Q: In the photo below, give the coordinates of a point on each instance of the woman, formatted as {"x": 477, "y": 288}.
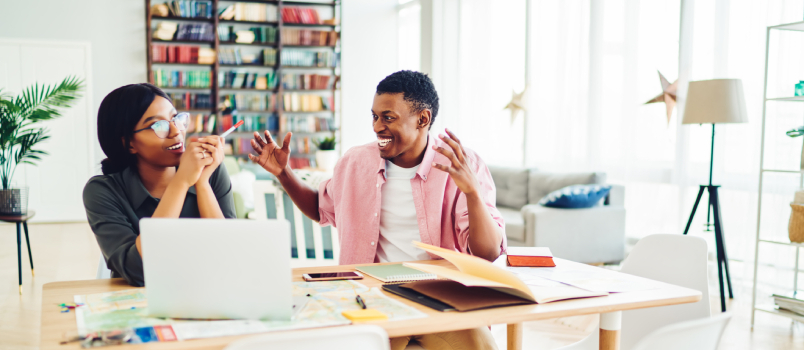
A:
{"x": 150, "y": 171}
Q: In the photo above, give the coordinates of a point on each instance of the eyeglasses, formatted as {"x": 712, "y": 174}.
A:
{"x": 162, "y": 127}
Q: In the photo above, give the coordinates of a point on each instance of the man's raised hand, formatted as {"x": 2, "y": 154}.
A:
{"x": 269, "y": 156}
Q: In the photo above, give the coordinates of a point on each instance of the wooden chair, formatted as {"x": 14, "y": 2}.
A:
{"x": 22, "y": 222}
{"x": 700, "y": 334}
{"x": 311, "y": 244}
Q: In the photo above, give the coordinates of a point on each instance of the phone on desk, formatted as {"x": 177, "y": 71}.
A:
{"x": 332, "y": 276}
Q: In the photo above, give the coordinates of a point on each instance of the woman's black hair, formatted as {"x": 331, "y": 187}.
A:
{"x": 118, "y": 115}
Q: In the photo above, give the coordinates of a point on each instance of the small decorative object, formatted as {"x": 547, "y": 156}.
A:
{"x": 668, "y": 95}
{"x": 18, "y": 136}
{"x": 576, "y": 196}
{"x": 517, "y": 103}
{"x": 795, "y": 229}
{"x": 796, "y": 133}
{"x": 800, "y": 88}
{"x": 326, "y": 156}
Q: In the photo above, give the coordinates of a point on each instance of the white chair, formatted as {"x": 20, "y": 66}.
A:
{"x": 103, "y": 270}
{"x": 311, "y": 244}
{"x": 338, "y": 338}
{"x": 676, "y": 259}
{"x": 701, "y": 334}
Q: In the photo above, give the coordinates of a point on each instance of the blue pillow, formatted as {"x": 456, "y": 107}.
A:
{"x": 576, "y": 196}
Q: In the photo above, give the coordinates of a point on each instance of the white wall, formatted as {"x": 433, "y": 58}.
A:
{"x": 114, "y": 28}
{"x": 369, "y": 44}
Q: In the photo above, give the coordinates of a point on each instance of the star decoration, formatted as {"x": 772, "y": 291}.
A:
{"x": 517, "y": 103}
{"x": 668, "y": 95}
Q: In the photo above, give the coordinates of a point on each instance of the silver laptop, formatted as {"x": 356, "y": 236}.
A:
{"x": 217, "y": 268}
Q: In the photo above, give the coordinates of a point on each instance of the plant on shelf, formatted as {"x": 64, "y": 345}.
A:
{"x": 19, "y": 135}
{"x": 326, "y": 156}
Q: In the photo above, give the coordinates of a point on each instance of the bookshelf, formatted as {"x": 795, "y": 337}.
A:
{"x": 297, "y": 90}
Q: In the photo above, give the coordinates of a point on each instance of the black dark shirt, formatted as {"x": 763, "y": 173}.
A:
{"x": 115, "y": 204}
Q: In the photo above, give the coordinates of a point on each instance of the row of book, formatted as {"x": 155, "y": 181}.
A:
{"x": 181, "y": 78}
{"x": 182, "y": 54}
{"x": 251, "y": 122}
{"x": 306, "y": 81}
{"x": 201, "y": 123}
{"x": 189, "y": 100}
{"x": 249, "y": 12}
{"x": 300, "y": 15}
{"x": 309, "y": 37}
{"x": 264, "y": 35}
{"x": 307, "y": 58}
{"x": 295, "y": 102}
{"x": 249, "y": 102}
{"x": 246, "y": 80}
{"x": 233, "y": 55}
{"x": 194, "y": 32}
{"x": 297, "y": 123}
{"x": 190, "y": 9}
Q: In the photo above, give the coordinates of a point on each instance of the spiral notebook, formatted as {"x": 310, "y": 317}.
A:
{"x": 395, "y": 273}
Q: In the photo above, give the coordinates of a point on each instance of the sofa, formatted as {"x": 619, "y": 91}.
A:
{"x": 590, "y": 235}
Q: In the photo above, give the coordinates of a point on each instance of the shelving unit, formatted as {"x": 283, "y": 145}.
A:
{"x": 216, "y": 90}
{"x": 797, "y": 27}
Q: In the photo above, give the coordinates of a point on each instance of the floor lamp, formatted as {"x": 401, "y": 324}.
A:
{"x": 713, "y": 102}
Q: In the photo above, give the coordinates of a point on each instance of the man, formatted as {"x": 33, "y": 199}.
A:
{"x": 406, "y": 186}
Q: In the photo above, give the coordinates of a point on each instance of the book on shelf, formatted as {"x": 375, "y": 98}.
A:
{"x": 249, "y": 12}
{"x": 165, "y": 30}
{"x": 299, "y": 162}
{"x": 789, "y": 303}
{"x": 308, "y": 58}
{"x": 190, "y": 100}
{"x": 296, "y": 102}
{"x": 309, "y": 37}
{"x": 238, "y": 79}
{"x": 182, "y": 54}
{"x": 181, "y": 78}
{"x": 306, "y": 123}
{"x": 293, "y": 14}
{"x": 252, "y": 102}
{"x": 263, "y": 35}
{"x": 186, "y": 31}
{"x": 190, "y": 9}
{"x": 199, "y": 122}
{"x": 294, "y": 81}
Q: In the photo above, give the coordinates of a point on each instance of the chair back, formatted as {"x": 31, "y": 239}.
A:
{"x": 675, "y": 259}
{"x": 339, "y": 338}
{"x": 310, "y": 244}
{"x": 700, "y": 334}
{"x": 103, "y": 270}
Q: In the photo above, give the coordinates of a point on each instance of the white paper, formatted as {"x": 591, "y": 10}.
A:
{"x": 588, "y": 277}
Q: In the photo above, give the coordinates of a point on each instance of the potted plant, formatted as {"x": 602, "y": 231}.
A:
{"x": 326, "y": 156}
{"x": 19, "y": 136}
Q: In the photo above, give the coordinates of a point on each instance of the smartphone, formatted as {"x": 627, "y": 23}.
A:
{"x": 332, "y": 276}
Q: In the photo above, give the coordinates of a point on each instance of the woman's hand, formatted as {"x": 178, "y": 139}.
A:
{"x": 271, "y": 157}
{"x": 192, "y": 163}
{"x": 460, "y": 169}
{"x": 214, "y": 148}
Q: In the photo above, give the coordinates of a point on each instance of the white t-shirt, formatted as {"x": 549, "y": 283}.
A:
{"x": 398, "y": 223}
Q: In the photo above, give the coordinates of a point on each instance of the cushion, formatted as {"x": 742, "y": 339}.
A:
{"x": 576, "y": 196}
{"x": 514, "y": 223}
{"x": 541, "y": 183}
{"x": 512, "y": 186}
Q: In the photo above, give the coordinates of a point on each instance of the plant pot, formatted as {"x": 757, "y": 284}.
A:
{"x": 326, "y": 159}
{"x": 14, "y": 201}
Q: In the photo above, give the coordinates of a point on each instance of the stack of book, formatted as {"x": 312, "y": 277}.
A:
{"x": 181, "y": 54}
{"x": 178, "y": 78}
{"x": 295, "y": 102}
{"x": 249, "y": 12}
{"x": 189, "y": 100}
{"x": 300, "y": 15}
{"x": 305, "y": 81}
{"x": 246, "y": 80}
{"x": 789, "y": 303}
{"x": 307, "y": 58}
{"x": 249, "y": 102}
{"x": 190, "y": 9}
{"x": 195, "y": 32}
{"x": 269, "y": 57}
{"x": 309, "y": 37}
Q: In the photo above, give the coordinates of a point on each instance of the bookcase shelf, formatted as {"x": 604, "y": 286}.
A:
{"x": 277, "y": 94}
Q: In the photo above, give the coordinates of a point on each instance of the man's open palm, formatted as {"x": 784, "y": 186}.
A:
{"x": 271, "y": 157}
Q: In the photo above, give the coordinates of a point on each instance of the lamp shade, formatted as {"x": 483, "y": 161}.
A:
{"x": 715, "y": 101}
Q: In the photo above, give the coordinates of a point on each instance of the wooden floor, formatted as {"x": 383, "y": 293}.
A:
{"x": 65, "y": 252}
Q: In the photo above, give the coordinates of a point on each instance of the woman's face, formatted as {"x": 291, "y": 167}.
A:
{"x": 148, "y": 147}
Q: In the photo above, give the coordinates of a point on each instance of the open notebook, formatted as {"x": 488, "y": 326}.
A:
{"x": 395, "y": 273}
{"x": 474, "y": 272}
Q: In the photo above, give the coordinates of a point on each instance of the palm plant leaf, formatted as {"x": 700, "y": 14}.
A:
{"x": 40, "y": 102}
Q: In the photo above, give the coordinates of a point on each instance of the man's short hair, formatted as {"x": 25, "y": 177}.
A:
{"x": 416, "y": 87}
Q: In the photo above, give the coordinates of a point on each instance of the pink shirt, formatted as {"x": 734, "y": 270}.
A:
{"x": 351, "y": 202}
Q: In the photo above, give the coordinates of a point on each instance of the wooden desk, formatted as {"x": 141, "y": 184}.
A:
{"x": 56, "y": 324}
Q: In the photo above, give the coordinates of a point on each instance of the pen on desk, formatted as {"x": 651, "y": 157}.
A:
{"x": 361, "y": 302}
{"x": 227, "y": 132}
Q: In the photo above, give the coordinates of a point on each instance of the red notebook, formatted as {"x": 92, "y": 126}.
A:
{"x": 530, "y": 257}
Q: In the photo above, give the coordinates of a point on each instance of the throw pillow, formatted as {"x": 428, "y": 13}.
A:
{"x": 576, "y": 196}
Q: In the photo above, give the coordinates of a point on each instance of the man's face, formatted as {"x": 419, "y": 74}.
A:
{"x": 396, "y": 126}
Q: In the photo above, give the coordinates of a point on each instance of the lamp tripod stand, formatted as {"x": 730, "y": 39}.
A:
{"x": 714, "y": 206}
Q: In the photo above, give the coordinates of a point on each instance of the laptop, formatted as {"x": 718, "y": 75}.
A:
{"x": 217, "y": 268}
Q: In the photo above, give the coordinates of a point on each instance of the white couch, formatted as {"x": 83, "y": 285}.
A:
{"x": 593, "y": 235}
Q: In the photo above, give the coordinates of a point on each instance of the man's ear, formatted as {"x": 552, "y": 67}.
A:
{"x": 425, "y": 117}
{"x": 131, "y": 148}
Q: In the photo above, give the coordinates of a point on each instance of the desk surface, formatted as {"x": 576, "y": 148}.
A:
{"x": 55, "y": 325}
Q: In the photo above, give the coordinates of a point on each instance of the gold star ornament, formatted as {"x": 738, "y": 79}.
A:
{"x": 668, "y": 95}
{"x": 517, "y": 103}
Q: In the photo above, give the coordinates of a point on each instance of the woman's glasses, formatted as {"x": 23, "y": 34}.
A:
{"x": 162, "y": 127}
